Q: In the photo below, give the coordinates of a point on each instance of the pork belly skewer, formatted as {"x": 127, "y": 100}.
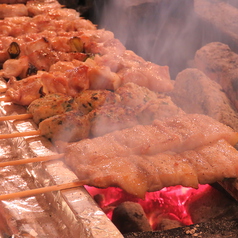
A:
{"x": 185, "y": 150}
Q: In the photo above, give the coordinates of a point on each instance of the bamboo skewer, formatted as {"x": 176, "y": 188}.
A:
{"x": 36, "y": 191}
{"x": 3, "y": 90}
{"x": 20, "y": 134}
{"x": 6, "y": 99}
{"x": 16, "y": 117}
{"x": 31, "y": 160}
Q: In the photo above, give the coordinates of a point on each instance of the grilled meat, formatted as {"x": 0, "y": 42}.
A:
{"x": 148, "y": 158}
{"x": 219, "y": 63}
{"x": 50, "y": 105}
{"x": 205, "y": 96}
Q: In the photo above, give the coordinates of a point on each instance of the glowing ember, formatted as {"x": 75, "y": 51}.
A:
{"x": 169, "y": 203}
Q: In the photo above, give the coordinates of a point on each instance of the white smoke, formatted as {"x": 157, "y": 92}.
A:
{"x": 161, "y": 31}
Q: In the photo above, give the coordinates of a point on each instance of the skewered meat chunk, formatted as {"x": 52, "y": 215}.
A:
{"x": 132, "y": 68}
{"x": 58, "y": 103}
{"x": 147, "y": 105}
{"x": 110, "y": 118}
{"x": 133, "y": 95}
{"x": 25, "y": 90}
{"x": 177, "y": 134}
{"x": 44, "y": 7}
{"x": 145, "y": 158}
{"x": 8, "y": 10}
{"x": 50, "y": 105}
{"x": 107, "y": 113}
{"x": 89, "y": 100}
{"x": 70, "y": 126}
{"x": 16, "y": 67}
{"x": 219, "y": 63}
{"x": 205, "y": 96}
{"x": 61, "y": 126}
{"x": 10, "y": 26}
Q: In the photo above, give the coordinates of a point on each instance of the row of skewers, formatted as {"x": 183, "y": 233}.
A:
{"x": 105, "y": 85}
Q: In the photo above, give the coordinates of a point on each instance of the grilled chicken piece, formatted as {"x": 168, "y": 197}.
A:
{"x": 101, "y": 77}
{"x": 43, "y": 22}
{"x": 135, "y": 69}
{"x": 70, "y": 126}
{"x": 98, "y": 122}
{"x": 111, "y": 117}
{"x": 50, "y": 105}
{"x": 89, "y": 100}
{"x": 44, "y": 7}
{"x": 133, "y": 95}
{"x": 8, "y": 10}
{"x": 146, "y": 104}
{"x": 58, "y": 103}
{"x": 24, "y": 91}
{"x": 16, "y": 68}
{"x": 145, "y": 158}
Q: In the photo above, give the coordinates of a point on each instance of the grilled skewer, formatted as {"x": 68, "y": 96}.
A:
{"x": 142, "y": 149}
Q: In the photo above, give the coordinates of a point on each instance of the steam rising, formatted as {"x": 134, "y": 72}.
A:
{"x": 161, "y": 31}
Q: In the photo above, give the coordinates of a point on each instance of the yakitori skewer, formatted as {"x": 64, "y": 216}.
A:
{"x": 36, "y": 191}
{"x": 31, "y": 160}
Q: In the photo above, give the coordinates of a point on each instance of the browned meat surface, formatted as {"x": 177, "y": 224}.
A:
{"x": 10, "y": 26}
{"x": 25, "y": 91}
{"x": 194, "y": 92}
{"x": 108, "y": 111}
{"x": 110, "y": 118}
{"x": 143, "y": 73}
{"x": 139, "y": 173}
{"x": 133, "y": 95}
{"x": 89, "y": 100}
{"x": 148, "y": 158}
{"x": 219, "y": 63}
{"x": 8, "y": 10}
{"x": 16, "y": 68}
{"x": 50, "y": 105}
{"x": 70, "y": 126}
